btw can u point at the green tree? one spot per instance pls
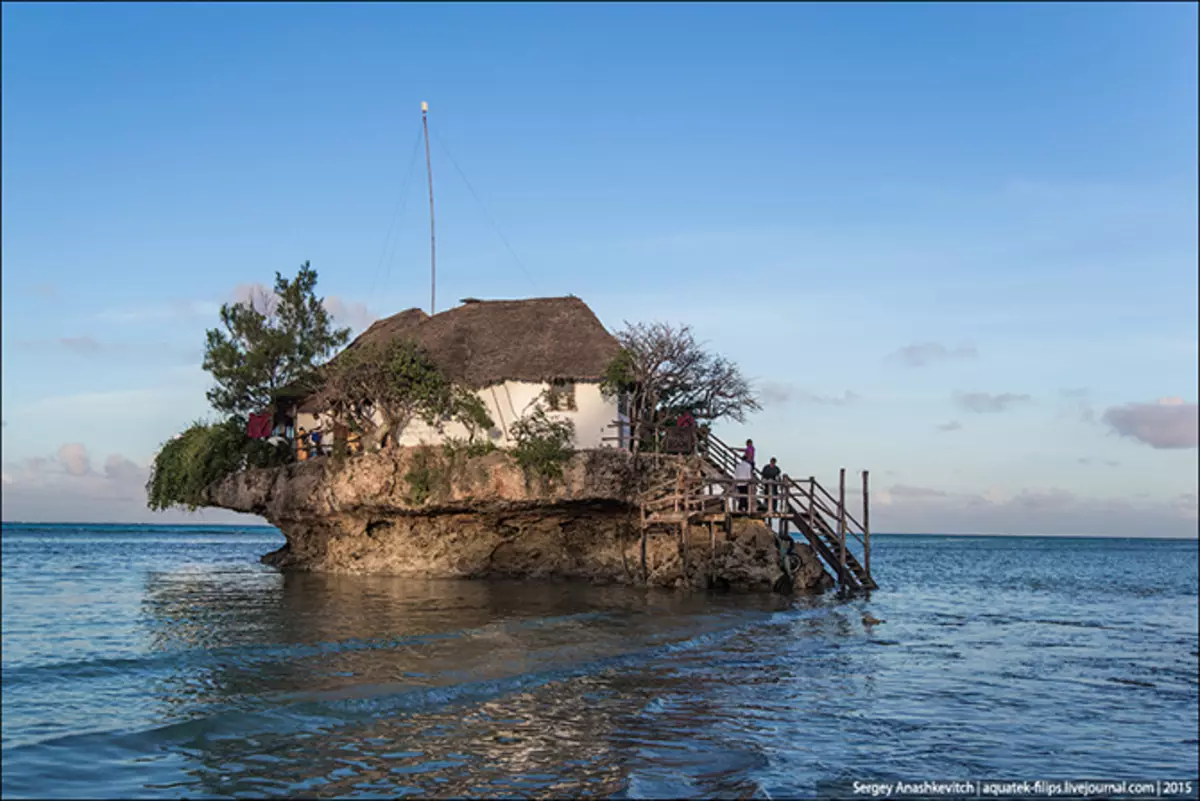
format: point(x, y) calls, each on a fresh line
point(400, 381)
point(269, 341)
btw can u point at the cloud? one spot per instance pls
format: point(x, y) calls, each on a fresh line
point(911, 509)
point(75, 459)
point(924, 353)
point(845, 399)
point(65, 488)
point(350, 313)
point(260, 296)
point(1078, 404)
point(1090, 460)
point(83, 345)
point(257, 296)
point(907, 491)
point(771, 392)
point(983, 402)
point(1168, 424)
point(953, 425)
point(171, 310)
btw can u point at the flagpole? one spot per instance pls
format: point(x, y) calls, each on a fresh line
point(432, 238)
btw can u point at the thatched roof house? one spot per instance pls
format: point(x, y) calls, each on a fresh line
point(485, 342)
point(508, 351)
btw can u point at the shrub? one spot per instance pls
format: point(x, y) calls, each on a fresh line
point(543, 443)
point(424, 477)
point(186, 465)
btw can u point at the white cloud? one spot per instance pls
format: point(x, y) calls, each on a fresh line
point(75, 459)
point(924, 353)
point(1047, 511)
point(845, 399)
point(65, 488)
point(350, 313)
point(1167, 424)
point(983, 402)
point(172, 310)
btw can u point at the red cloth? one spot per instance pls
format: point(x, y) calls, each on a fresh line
point(260, 426)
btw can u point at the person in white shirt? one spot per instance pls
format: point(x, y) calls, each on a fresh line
point(743, 474)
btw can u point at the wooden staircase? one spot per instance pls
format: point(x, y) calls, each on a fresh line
point(824, 521)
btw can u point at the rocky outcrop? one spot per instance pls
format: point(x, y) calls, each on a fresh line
point(437, 512)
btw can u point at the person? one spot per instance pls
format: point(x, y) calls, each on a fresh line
point(770, 475)
point(685, 420)
point(742, 477)
point(748, 453)
point(301, 444)
point(315, 438)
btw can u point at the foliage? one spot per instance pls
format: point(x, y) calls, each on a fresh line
point(269, 341)
point(453, 447)
point(662, 371)
point(202, 455)
point(401, 382)
point(543, 443)
point(425, 475)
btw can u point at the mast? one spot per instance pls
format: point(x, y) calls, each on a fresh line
point(432, 238)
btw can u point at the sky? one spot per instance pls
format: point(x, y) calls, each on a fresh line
point(953, 245)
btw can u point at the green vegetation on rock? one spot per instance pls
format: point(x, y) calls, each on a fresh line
point(543, 443)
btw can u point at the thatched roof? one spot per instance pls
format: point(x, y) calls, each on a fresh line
point(484, 342)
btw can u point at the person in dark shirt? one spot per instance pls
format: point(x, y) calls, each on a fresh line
point(770, 475)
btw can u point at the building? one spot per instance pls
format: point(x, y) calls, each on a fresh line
point(511, 353)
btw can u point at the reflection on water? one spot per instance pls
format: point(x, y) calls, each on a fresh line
point(219, 677)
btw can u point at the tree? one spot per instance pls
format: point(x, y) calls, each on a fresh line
point(662, 371)
point(268, 342)
point(401, 382)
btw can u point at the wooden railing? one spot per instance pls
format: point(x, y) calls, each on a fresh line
point(821, 517)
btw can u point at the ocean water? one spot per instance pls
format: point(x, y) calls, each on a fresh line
point(167, 662)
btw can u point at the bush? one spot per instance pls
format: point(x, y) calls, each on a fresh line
point(472, 449)
point(543, 443)
point(201, 456)
point(424, 476)
point(186, 465)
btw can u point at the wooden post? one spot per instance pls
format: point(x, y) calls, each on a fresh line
point(712, 552)
point(842, 525)
point(812, 504)
point(683, 548)
point(866, 524)
point(645, 572)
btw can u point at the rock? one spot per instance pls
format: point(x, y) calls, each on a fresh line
point(432, 513)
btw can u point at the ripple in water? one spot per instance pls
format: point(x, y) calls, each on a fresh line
point(160, 662)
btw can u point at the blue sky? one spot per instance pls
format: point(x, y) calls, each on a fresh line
point(954, 244)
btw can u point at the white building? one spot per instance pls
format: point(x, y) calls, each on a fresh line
point(511, 353)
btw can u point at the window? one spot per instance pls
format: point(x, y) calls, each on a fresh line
point(560, 397)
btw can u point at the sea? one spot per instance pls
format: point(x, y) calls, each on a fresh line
point(167, 662)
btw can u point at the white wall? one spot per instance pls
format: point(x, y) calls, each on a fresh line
point(506, 403)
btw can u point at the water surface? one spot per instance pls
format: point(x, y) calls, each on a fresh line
point(166, 662)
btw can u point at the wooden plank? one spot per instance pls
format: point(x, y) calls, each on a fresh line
point(866, 527)
point(645, 572)
point(842, 518)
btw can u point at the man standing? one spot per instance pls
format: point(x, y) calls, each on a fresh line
point(770, 475)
